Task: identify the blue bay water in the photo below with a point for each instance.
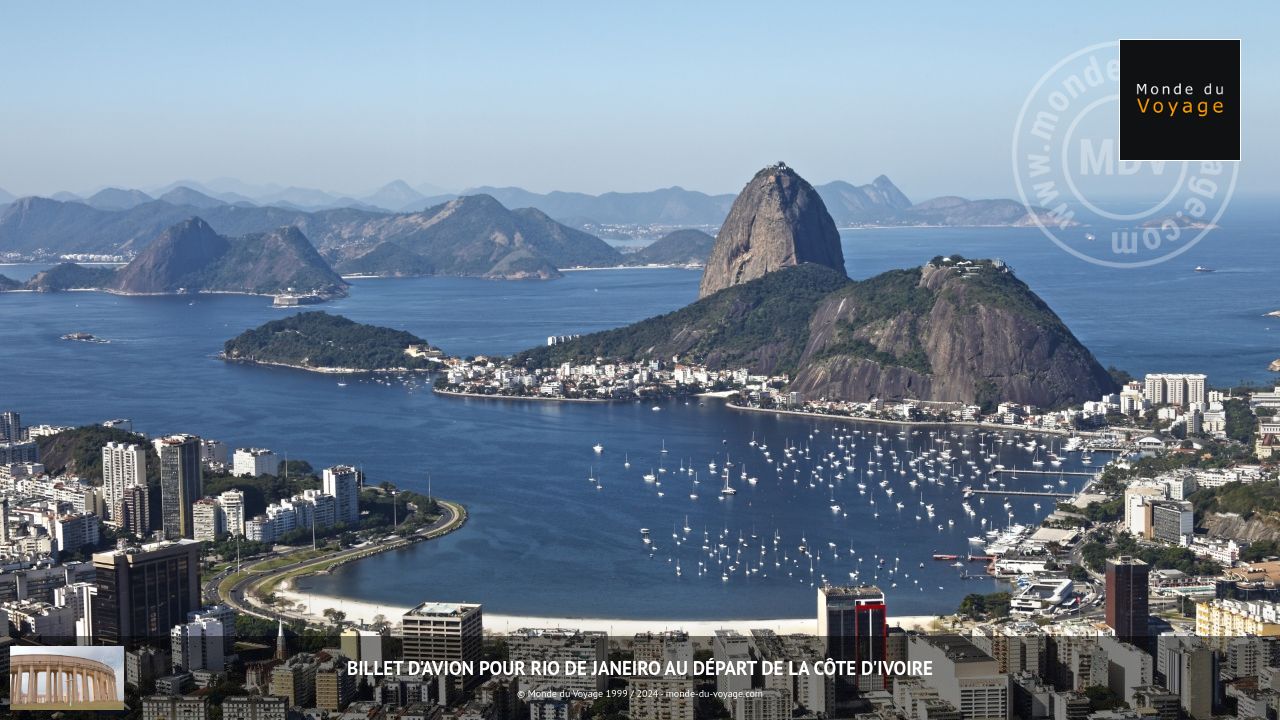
(542, 540)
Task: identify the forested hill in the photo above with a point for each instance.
(320, 341)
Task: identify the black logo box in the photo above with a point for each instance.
(1185, 65)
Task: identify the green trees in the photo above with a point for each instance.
(320, 340)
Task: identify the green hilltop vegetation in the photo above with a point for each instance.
(78, 451)
(954, 329)
(317, 340)
(763, 324)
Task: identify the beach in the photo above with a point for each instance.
(363, 612)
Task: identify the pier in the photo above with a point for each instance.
(1028, 493)
(1074, 473)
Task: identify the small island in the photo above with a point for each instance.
(319, 342)
(85, 337)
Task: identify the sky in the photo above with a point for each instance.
(589, 97)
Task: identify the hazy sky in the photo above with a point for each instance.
(589, 97)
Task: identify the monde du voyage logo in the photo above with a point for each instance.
(1124, 152)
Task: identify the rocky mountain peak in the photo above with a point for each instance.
(777, 221)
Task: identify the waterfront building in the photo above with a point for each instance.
(443, 631)
(963, 675)
(809, 692)
(853, 620)
(124, 465)
(529, 645)
(731, 646)
(342, 482)
(1179, 389)
(11, 426)
(181, 483)
(144, 591)
(252, 462)
(175, 707)
(231, 503)
(669, 646)
(1127, 585)
(213, 454)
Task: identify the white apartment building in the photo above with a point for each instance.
(1179, 389)
(124, 465)
(206, 519)
(342, 482)
(231, 502)
(252, 462)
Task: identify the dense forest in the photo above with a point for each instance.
(316, 340)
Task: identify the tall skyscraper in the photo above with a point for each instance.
(340, 481)
(853, 621)
(181, 483)
(124, 465)
(1127, 589)
(142, 592)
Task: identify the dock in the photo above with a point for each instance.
(1073, 473)
(1026, 493)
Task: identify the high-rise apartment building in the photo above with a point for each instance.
(144, 591)
(341, 481)
(124, 465)
(181, 483)
(1127, 611)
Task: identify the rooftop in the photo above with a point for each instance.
(443, 609)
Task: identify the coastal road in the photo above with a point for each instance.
(235, 592)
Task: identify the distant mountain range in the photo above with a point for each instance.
(470, 236)
(877, 203)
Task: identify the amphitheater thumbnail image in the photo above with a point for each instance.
(66, 678)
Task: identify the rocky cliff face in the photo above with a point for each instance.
(778, 220)
(963, 331)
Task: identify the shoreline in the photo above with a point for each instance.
(538, 398)
(364, 611)
(322, 370)
(633, 267)
(920, 423)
